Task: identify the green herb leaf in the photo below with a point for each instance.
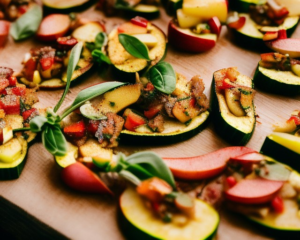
(130, 177)
(274, 171)
(89, 93)
(73, 60)
(100, 41)
(27, 25)
(37, 123)
(134, 46)
(100, 57)
(54, 140)
(153, 164)
(163, 77)
(139, 171)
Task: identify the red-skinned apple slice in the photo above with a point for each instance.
(80, 178)
(186, 40)
(215, 25)
(139, 21)
(249, 157)
(53, 26)
(4, 31)
(204, 166)
(237, 24)
(289, 46)
(253, 191)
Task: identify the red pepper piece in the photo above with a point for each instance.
(277, 204)
(296, 119)
(29, 68)
(76, 130)
(12, 81)
(153, 111)
(67, 42)
(26, 114)
(133, 120)
(282, 34)
(46, 63)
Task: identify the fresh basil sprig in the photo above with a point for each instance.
(100, 41)
(163, 77)
(134, 46)
(100, 57)
(27, 25)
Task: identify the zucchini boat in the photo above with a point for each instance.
(66, 6)
(126, 65)
(17, 107)
(46, 67)
(278, 73)
(137, 222)
(248, 29)
(284, 144)
(232, 106)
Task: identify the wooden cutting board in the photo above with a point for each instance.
(39, 190)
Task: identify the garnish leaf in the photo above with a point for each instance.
(130, 177)
(100, 41)
(89, 93)
(73, 60)
(54, 140)
(27, 25)
(134, 46)
(153, 164)
(37, 123)
(100, 57)
(163, 77)
(274, 171)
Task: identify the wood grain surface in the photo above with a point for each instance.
(39, 190)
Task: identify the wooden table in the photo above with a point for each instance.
(40, 192)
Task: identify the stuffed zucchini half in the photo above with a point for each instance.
(17, 107)
(66, 6)
(284, 144)
(232, 106)
(278, 73)
(126, 65)
(248, 29)
(137, 221)
(46, 67)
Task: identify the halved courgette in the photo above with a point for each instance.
(138, 222)
(235, 130)
(146, 11)
(66, 6)
(277, 81)
(174, 132)
(251, 34)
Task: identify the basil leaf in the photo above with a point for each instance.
(134, 46)
(153, 164)
(27, 25)
(139, 171)
(100, 41)
(163, 77)
(73, 60)
(88, 94)
(130, 177)
(274, 171)
(54, 140)
(37, 123)
(100, 57)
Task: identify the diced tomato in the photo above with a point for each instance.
(92, 126)
(231, 181)
(153, 111)
(149, 87)
(282, 34)
(67, 42)
(237, 24)
(26, 114)
(29, 68)
(225, 84)
(12, 81)
(10, 104)
(76, 130)
(46, 63)
(296, 119)
(19, 91)
(142, 22)
(277, 204)
(193, 102)
(133, 120)
(3, 84)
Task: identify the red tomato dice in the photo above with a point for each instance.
(10, 104)
(277, 204)
(76, 130)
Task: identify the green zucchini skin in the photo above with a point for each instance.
(148, 15)
(281, 153)
(80, 8)
(226, 131)
(139, 139)
(254, 44)
(268, 84)
(171, 6)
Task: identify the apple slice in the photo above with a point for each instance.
(148, 39)
(185, 39)
(204, 166)
(130, 28)
(53, 26)
(289, 46)
(4, 31)
(215, 25)
(185, 20)
(254, 191)
(249, 157)
(80, 178)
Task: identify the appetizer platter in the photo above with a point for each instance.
(157, 140)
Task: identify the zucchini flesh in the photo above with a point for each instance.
(279, 82)
(235, 130)
(174, 132)
(140, 223)
(12, 170)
